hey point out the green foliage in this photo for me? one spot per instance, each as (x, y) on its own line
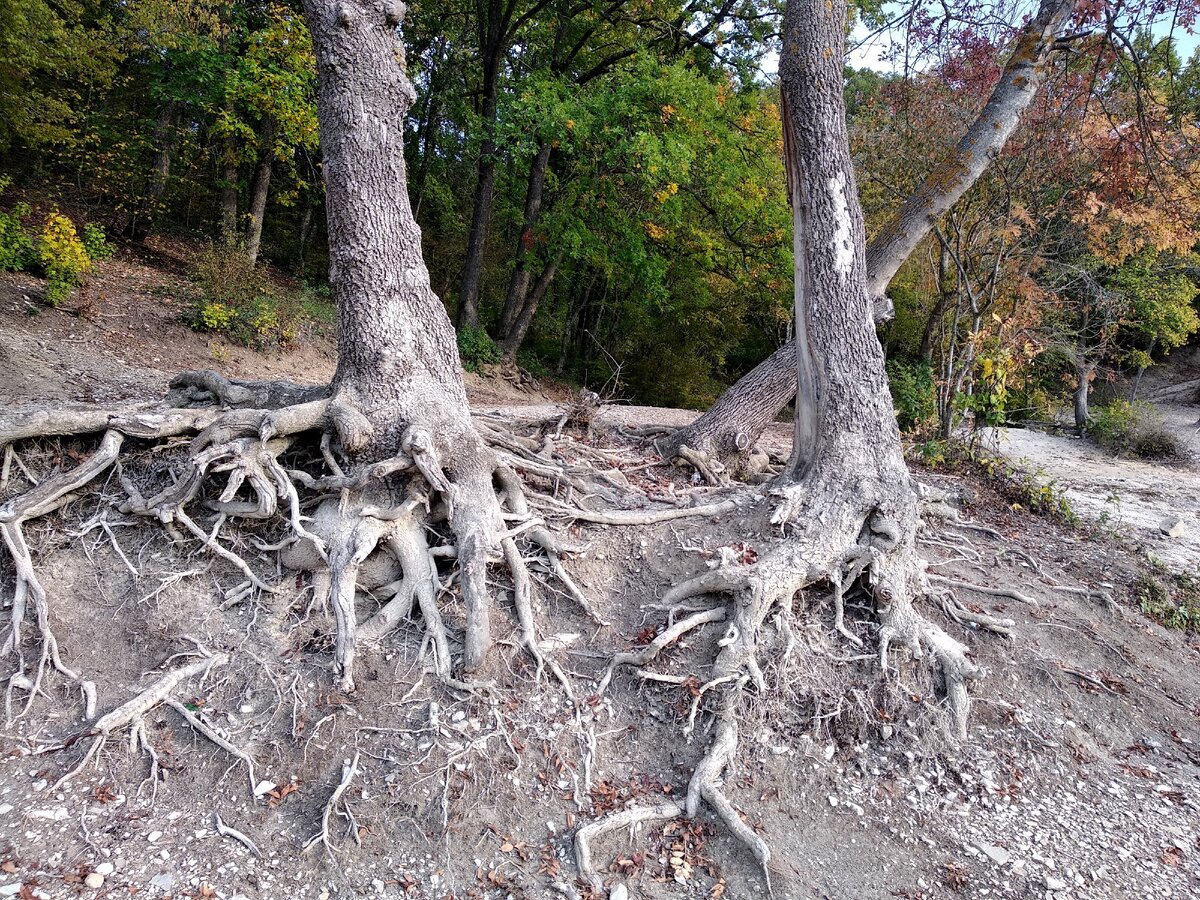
(476, 349)
(95, 242)
(62, 256)
(1134, 428)
(1172, 601)
(17, 251)
(989, 400)
(913, 393)
(238, 299)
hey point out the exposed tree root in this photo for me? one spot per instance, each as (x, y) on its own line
(841, 536)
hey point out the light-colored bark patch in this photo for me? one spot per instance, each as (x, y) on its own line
(842, 242)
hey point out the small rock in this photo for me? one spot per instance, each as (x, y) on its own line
(619, 892)
(153, 836)
(104, 869)
(163, 881)
(886, 732)
(1173, 526)
(833, 801)
(1055, 884)
(10, 890)
(998, 855)
(94, 880)
(378, 885)
(264, 787)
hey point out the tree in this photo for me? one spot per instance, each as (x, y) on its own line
(729, 429)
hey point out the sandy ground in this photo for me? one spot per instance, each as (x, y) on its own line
(1136, 500)
(1081, 779)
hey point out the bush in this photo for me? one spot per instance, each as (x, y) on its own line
(913, 394)
(17, 252)
(1172, 605)
(63, 257)
(96, 243)
(1134, 428)
(476, 349)
(238, 300)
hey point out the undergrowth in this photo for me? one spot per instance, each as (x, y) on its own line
(54, 251)
(1171, 600)
(1134, 429)
(476, 349)
(1021, 487)
(238, 300)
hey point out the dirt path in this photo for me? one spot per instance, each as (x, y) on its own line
(1137, 500)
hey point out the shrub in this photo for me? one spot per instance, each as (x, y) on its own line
(16, 246)
(96, 243)
(238, 300)
(476, 349)
(1173, 605)
(913, 394)
(62, 256)
(1134, 428)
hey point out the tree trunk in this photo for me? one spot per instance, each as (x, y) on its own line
(229, 195)
(260, 188)
(518, 284)
(736, 421)
(492, 47)
(398, 385)
(150, 204)
(520, 327)
(1083, 373)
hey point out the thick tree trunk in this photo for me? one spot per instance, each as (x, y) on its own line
(520, 327)
(737, 419)
(844, 417)
(260, 188)
(398, 385)
(518, 285)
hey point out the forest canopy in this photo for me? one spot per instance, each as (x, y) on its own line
(600, 185)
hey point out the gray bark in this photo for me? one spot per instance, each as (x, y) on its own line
(736, 421)
(160, 171)
(260, 188)
(229, 194)
(492, 45)
(844, 414)
(399, 381)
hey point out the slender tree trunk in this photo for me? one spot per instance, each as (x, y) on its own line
(260, 188)
(160, 171)
(1083, 374)
(520, 327)
(492, 47)
(938, 313)
(518, 284)
(229, 194)
(398, 382)
(736, 421)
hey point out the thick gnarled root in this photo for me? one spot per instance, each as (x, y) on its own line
(834, 546)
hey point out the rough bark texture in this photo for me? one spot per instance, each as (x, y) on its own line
(260, 188)
(736, 421)
(398, 386)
